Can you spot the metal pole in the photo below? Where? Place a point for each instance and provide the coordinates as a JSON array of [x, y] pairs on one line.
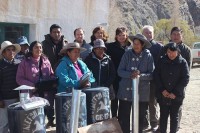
[[75, 107], [135, 105]]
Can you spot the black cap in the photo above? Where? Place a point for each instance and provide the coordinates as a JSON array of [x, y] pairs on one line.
[[173, 46]]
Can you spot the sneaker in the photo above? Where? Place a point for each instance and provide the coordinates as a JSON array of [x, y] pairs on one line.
[[154, 129], [147, 128], [50, 124], [158, 130]]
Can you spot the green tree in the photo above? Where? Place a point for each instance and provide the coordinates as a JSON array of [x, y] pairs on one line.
[[163, 28]]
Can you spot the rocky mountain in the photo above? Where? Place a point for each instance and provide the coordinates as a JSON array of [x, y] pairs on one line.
[[137, 13]]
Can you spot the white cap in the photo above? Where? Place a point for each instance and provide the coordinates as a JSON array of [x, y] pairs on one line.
[[24, 87]]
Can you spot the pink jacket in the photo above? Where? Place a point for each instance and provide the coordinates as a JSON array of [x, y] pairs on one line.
[[28, 71]]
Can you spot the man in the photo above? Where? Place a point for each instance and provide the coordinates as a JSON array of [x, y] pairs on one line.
[[155, 49], [8, 70], [79, 37], [176, 36], [52, 45], [23, 42]]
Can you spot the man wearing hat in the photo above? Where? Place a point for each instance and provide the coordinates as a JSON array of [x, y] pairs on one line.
[[8, 70], [23, 42], [136, 62], [101, 65]]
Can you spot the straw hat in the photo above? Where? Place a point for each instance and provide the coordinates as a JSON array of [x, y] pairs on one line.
[[6, 44], [141, 37], [71, 46]]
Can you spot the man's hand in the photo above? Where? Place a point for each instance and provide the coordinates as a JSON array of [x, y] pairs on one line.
[[165, 93], [2, 105], [135, 74]]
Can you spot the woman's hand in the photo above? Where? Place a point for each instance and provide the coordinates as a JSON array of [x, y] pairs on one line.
[[85, 84], [172, 96], [165, 93], [135, 74]]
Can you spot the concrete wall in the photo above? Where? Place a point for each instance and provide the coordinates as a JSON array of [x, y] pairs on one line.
[[69, 14]]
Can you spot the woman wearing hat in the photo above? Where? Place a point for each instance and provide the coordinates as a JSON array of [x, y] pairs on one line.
[[172, 77], [36, 66], [101, 65], [71, 68], [135, 62], [8, 70]]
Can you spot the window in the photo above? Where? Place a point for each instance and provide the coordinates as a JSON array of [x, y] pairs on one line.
[[11, 31]]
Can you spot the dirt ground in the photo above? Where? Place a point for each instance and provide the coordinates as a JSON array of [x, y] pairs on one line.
[[190, 122]]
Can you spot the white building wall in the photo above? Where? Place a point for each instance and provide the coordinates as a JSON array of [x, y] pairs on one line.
[[69, 14]]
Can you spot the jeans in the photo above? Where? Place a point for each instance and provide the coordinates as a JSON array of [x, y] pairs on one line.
[[114, 107], [153, 106], [114, 102], [49, 110], [4, 115], [124, 115], [152, 113], [166, 111]]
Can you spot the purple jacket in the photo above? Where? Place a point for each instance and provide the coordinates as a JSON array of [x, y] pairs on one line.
[[28, 71]]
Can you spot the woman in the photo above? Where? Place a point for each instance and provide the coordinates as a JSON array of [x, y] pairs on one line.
[[71, 69], [98, 33], [101, 65], [172, 77], [28, 73], [136, 62], [116, 50]]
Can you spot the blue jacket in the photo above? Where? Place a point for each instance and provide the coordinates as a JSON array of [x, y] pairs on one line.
[[68, 77], [129, 62]]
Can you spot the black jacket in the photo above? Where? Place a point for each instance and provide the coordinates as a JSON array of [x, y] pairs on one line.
[[8, 80], [116, 51], [155, 50], [103, 70], [172, 75], [185, 52], [51, 50]]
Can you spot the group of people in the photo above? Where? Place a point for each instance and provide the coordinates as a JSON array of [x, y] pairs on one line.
[[163, 72]]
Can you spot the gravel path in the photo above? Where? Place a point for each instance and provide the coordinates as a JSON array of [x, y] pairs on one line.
[[190, 122]]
